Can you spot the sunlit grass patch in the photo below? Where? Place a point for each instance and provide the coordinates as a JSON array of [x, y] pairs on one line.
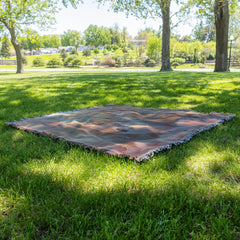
[[53, 190]]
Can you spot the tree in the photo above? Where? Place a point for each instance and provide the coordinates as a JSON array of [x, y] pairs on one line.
[[51, 41], [221, 10], [31, 41], [205, 32], [234, 25], [72, 38], [165, 9], [144, 35], [16, 15], [144, 9], [115, 35], [5, 50], [154, 48], [124, 35], [97, 36]]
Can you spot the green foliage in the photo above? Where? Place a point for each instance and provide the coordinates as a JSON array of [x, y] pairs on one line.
[[73, 61], [73, 3], [234, 25], [138, 62], [86, 52], [38, 62], [105, 51], [115, 35], [115, 47], [54, 190], [205, 33], [126, 59], [109, 62], [54, 62], [17, 14], [5, 49], [97, 62], [236, 52], [74, 51], [51, 41], [96, 50], [97, 36], [154, 48], [31, 40], [192, 50], [77, 62], [72, 38], [63, 54], [125, 50], [119, 60], [124, 35], [140, 50], [118, 52], [24, 60], [109, 47], [178, 60], [145, 35], [68, 60], [150, 62], [175, 64]]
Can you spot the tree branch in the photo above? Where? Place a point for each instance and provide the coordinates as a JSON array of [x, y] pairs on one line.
[[5, 23]]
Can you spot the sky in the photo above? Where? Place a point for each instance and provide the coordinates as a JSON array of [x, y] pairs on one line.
[[88, 13]]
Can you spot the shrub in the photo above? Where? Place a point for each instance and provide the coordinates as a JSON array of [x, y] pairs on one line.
[[118, 52], [68, 60], [125, 50], [63, 54], [105, 52], [97, 62], [178, 60], [150, 62], [109, 48], [211, 57], [119, 60], [138, 62], [175, 64], [54, 62], [38, 62], [130, 63], [74, 51], [96, 50], [86, 52], [24, 60], [180, 54], [154, 48], [109, 61], [76, 62], [203, 59], [126, 59], [131, 46], [115, 46]]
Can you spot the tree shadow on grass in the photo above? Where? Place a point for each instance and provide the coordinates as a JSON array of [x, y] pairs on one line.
[[38, 95], [43, 206], [110, 198]]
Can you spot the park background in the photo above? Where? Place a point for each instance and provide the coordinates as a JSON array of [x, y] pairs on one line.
[[95, 36], [53, 190]]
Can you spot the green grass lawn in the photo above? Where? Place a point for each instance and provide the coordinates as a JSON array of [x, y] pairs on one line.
[[53, 190]]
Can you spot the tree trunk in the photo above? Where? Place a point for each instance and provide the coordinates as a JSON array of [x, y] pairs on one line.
[[17, 48], [221, 12], [165, 8]]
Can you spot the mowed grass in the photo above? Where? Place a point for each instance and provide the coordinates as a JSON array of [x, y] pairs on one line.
[[53, 190]]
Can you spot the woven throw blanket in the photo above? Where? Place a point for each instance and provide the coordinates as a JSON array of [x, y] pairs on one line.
[[123, 130]]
